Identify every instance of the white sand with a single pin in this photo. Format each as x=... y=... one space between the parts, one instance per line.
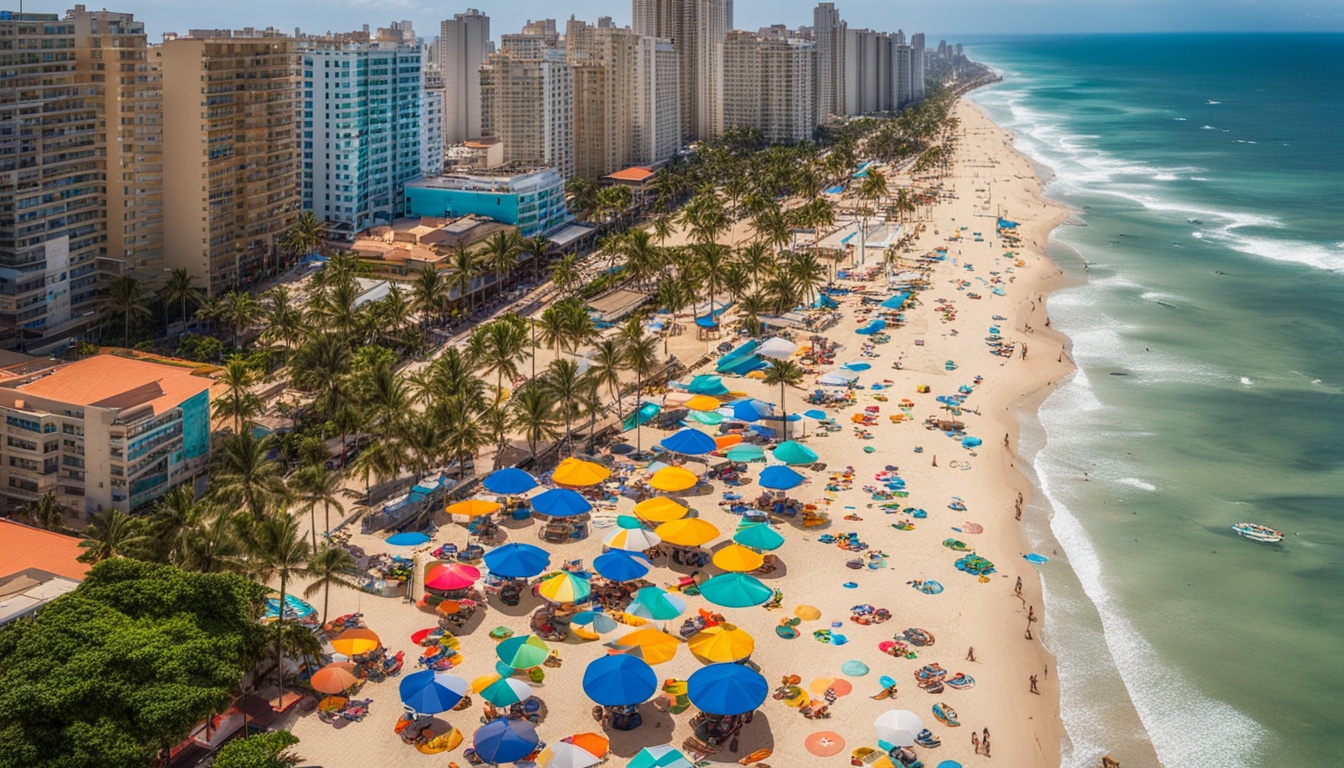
x=1025 y=728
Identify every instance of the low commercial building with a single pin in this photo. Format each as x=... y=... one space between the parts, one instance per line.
x=532 y=200
x=36 y=567
x=101 y=433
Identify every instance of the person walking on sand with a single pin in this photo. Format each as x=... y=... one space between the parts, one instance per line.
x=985 y=743
x=1017 y=590
x=970 y=654
x=1032 y=679
x=975 y=741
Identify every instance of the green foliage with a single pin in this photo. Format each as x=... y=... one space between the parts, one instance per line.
x=267 y=750
x=205 y=349
x=124 y=666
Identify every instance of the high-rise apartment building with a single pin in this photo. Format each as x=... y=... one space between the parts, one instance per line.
x=878 y=72
x=917 y=66
x=528 y=104
x=51 y=184
x=122 y=74
x=231 y=161
x=830 y=32
x=769 y=84
x=657 y=107
x=464 y=42
x=604 y=62
x=363 y=111
x=697 y=29
x=431 y=140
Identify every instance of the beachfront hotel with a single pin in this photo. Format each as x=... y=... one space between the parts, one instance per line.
x=769 y=83
x=657 y=108
x=531 y=199
x=105 y=432
x=463 y=44
x=528 y=104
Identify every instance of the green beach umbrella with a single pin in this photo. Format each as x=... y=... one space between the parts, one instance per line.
x=736 y=590
x=746 y=452
x=629 y=522
x=792 y=452
x=758 y=536
x=523 y=651
x=707 y=417
x=657 y=604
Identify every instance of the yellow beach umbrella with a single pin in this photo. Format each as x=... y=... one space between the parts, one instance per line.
x=473 y=508
x=355 y=641
x=660 y=509
x=564 y=588
x=334 y=678
x=687 y=532
x=724 y=643
x=579 y=473
x=653 y=645
x=673 y=479
x=738 y=558
x=702 y=403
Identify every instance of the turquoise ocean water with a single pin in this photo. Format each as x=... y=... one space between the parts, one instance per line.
x=1206 y=176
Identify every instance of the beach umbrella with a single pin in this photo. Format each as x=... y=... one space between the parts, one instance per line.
x=816 y=414
x=510 y=481
x=689 y=441
x=501 y=690
x=777 y=348
x=707 y=384
x=619 y=565
x=722 y=643
x=780 y=478
x=652 y=645
x=708 y=418
x=758 y=536
x=450 y=576
x=701 y=403
x=898 y=727
x=746 y=452
x=337 y=677
x=727 y=689
x=619 y=680
x=564 y=587
x=631 y=539
x=579 y=751
x=505 y=741
x=579 y=473
x=660 y=509
x=664 y=756
x=687 y=532
x=448 y=608
x=594 y=623
x=517 y=561
x=429 y=692
x=355 y=641
x=738 y=558
x=473 y=507
x=807 y=612
x=561 y=502
x=857 y=365
x=408 y=539
x=629 y=521
x=656 y=604
x=792 y=452
x=736 y=590
x=726 y=441
x=751 y=409
x=674 y=479
x=523 y=651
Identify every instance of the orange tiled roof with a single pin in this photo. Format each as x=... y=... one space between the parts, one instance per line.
x=632 y=174
x=109 y=381
x=22 y=547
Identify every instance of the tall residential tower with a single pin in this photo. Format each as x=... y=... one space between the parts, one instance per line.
x=464 y=42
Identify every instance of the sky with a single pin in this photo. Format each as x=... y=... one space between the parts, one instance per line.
x=939 y=19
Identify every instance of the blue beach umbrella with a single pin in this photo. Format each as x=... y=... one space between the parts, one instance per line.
x=430 y=692
x=408 y=539
x=691 y=442
x=726 y=689
x=505 y=741
x=816 y=414
x=664 y=756
x=561 y=502
x=736 y=590
x=619 y=680
x=509 y=482
x=857 y=366
x=752 y=409
x=619 y=565
x=596 y=622
x=707 y=384
x=758 y=536
x=793 y=452
x=517 y=561
x=780 y=478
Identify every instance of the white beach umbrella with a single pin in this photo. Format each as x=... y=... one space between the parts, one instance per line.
x=777 y=348
x=898 y=727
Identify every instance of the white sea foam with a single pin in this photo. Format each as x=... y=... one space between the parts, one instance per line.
x=1179 y=119
x=1207 y=128
x=1165 y=177
x=1198 y=178
x=1211 y=101
x=1135 y=482
x=1245 y=381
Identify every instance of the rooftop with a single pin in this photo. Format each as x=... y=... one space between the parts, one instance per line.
x=23 y=547
x=117 y=383
x=634 y=173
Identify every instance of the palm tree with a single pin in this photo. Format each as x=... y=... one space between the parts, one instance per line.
x=245 y=478
x=430 y=294
x=533 y=413
x=496 y=423
x=750 y=308
x=305 y=235
x=663 y=226
x=424 y=435
x=565 y=384
x=329 y=567
x=550 y=328
x=608 y=361
x=578 y=323
x=112 y=533
x=283 y=320
x=641 y=355
x=125 y=297
x=785 y=373
x=463 y=434
x=181 y=289
x=500 y=253
x=276 y=548
x=46 y=513
x=213 y=545
x=318 y=485
x=709 y=262
x=643 y=259
x=321 y=366
x=451 y=375
x=498 y=347
x=239 y=311
x=239 y=402
x=536 y=249
x=565 y=273
x=377 y=459
x=172 y=522
x=463 y=268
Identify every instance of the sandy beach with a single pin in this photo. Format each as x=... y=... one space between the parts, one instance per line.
x=987 y=179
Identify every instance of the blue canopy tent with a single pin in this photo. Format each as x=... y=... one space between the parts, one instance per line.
x=751 y=409
x=897 y=301
x=872 y=328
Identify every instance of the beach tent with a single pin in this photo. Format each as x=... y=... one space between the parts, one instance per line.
x=707 y=384
x=561 y=502
x=619 y=565
x=579 y=473
x=897 y=728
x=429 y=692
x=793 y=452
x=647 y=411
x=619 y=680
x=777 y=348
x=838 y=378
x=708 y=418
x=751 y=409
x=736 y=590
x=504 y=740
x=517 y=561
x=872 y=328
x=780 y=478
x=857 y=365
x=691 y=442
x=727 y=689
x=509 y=482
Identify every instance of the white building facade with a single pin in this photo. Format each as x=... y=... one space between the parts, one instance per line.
x=464 y=42
x=657 y=113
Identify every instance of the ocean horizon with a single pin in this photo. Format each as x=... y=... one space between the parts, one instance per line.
x=1206 y=182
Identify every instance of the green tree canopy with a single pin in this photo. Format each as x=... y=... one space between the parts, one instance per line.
x=267 y=750
x=124 y=665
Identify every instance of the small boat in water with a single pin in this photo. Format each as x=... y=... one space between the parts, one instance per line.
x=1256 y=532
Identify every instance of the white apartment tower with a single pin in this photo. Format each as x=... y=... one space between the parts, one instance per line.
x=464 y=42
x=829 y=32
x=657 y=112
x=769 y=84
x=528 y=104
x=697 y=29
x=917 y=66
